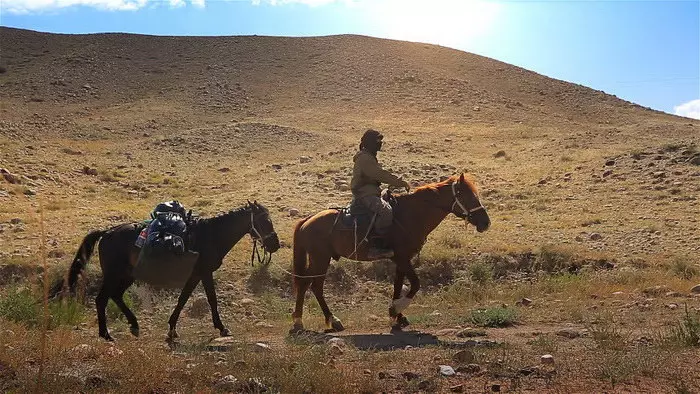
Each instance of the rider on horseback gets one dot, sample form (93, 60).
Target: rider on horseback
(367, 176)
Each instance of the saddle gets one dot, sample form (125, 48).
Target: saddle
(356, 214)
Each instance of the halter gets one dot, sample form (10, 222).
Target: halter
(265, 258)
(466, 212)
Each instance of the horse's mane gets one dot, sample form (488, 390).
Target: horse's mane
(433, 187)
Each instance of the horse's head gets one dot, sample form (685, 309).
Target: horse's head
(466, 204)
(261, 228)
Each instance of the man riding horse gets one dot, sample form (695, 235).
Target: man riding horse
(367, 176)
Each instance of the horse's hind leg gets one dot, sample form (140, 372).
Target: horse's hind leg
(118, 298)
(208, 283)
(181, 301)
(333, 323)
(302, 285)
(101, 304)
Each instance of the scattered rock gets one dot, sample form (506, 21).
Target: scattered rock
(9, 177)
(607, 173)
(224, 169)
(547, 359)
(471, 333)
(469, 368)
(410, 375)
(15, 221)
(595, 237)
(246, 302)
(496, 388)
(335, 350)
(656, 290)
(226, 384)
(89, 171)
(293, 212)
(223, 344)
(304, 159)
(464, 356)
(446, 370)
(260, 347)
(527, 371)
(695, 289)
(524, 302)
(610, 163)
(500, 153)
(457, 388)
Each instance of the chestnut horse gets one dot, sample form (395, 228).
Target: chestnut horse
(415, 215)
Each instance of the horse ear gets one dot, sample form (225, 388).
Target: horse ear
(461, 178)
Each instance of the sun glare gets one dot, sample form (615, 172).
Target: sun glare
(444, 22)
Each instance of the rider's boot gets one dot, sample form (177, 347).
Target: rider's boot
(378, 248)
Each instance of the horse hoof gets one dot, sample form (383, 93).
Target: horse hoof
(107, 337)
(337, 325)
(172, 334)
(400, 323)
(224, 332)
(134, 331)
(296, 329)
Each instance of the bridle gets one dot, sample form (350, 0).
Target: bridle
(466, 213)
(255, 234)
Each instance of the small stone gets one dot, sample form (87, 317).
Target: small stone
(672, 306)
(547, 359)
(262, 324)
(227, 384)
(500, 153)
(695, 289)
(408, 375)
(260, 347)
(293, 212)
(595, 237)
(525, 302)
(610, 163)
(457, 388)
(246, 301)
(276, 166)
(446, 370)
(607, 173)
(335, 350)
(464, 356)
(469, 368)
(496, 388)
(224, 169)
(304, 159)
(471, 333)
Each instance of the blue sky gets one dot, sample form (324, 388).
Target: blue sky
(647, 52)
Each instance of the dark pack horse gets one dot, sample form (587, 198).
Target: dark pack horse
(213, 238)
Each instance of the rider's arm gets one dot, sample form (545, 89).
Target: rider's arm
(373, 170)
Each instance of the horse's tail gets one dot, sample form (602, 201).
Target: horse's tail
(79, 262)
(300, 254)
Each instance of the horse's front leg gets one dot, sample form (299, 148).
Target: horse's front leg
(181, 301)
(399, 301)
(208, 283)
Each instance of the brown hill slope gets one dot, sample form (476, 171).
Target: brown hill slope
(255, 75)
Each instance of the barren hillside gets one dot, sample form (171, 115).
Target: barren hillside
(592, 255)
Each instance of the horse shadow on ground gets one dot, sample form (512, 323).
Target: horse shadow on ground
(396, 339)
